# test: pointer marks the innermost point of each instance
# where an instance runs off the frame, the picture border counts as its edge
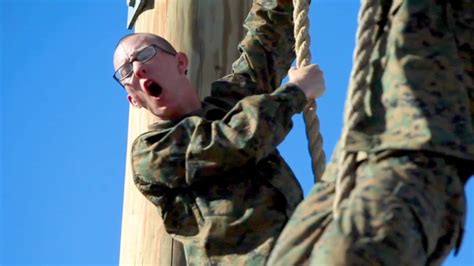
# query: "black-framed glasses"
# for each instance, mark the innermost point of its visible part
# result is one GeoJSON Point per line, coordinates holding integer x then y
{"type": "Point", "coordinates": [143, 56]}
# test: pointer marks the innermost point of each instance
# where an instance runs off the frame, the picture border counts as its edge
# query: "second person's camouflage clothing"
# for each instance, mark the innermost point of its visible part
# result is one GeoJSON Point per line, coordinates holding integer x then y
{"type": "Point", "coordinates": [414, 147]}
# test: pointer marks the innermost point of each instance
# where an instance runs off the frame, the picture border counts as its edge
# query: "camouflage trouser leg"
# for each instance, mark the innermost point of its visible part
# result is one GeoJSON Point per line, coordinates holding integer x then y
{"type": "Point", "coordinates": [307, 224]}
{"type": "Point", "coordinates": [406, 209]}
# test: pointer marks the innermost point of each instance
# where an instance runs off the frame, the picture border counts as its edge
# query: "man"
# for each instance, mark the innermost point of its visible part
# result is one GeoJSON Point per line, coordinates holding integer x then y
{"type": "Point", "coordinates": [414, 148]}
{"type": "Point", "coordinates": [212, 167]}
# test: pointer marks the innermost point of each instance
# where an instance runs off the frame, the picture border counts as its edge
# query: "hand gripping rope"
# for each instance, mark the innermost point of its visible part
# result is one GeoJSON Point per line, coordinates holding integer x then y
{"type": "Point", "coordinates": [303, 58]}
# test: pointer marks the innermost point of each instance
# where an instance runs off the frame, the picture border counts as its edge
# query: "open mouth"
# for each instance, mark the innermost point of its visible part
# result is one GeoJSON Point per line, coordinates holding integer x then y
{"type": "Point", "coordinates": [153, 88]}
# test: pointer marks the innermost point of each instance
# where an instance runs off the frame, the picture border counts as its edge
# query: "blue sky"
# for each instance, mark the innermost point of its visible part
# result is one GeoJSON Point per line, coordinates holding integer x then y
{"type": "Point", "coordinates": [63, 126]}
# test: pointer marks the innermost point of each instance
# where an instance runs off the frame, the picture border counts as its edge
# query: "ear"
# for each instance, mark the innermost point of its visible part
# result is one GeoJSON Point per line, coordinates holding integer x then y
{"type": "Point", "coordinates": [133, 102]}
{"type": "Point", "coordinates": [182, 63]}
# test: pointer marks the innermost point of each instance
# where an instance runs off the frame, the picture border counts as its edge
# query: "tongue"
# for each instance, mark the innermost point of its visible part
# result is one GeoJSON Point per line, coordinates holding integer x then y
{"type": "Point", "coordinates": [155, 89]}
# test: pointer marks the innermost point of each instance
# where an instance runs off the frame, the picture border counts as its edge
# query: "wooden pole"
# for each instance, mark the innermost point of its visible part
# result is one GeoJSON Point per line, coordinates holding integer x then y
{"type": "Point", "coordinates": [208, 31]}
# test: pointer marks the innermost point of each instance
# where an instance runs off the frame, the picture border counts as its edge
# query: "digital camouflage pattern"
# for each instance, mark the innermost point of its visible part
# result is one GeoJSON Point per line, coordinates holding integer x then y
{"type": "Point", "coordinates": [415, 149]}
{"type": "Point", "coordinates": [215, 176]}
{"type": "Point", "coordinates": [406, 209]}
{"type": "Point", "coordinates": [217, 182]}
{"type": "Point", "coordinates": [421, 92]}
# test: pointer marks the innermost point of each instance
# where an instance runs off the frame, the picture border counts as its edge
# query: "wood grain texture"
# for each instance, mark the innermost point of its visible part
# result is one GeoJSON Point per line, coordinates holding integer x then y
{"type": "Point", "coordinates": [208, 31]}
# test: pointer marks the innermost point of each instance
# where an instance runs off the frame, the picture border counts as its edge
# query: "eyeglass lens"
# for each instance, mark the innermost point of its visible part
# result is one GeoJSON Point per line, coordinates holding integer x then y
{"type": "Point", "coordinates": [143, 56]}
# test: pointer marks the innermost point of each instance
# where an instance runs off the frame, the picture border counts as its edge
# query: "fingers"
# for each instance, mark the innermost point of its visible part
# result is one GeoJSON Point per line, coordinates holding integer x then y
{"type": "Point", "coordinates": [292, 70]}
{"type": "Point", "coordinates": [309, 78]}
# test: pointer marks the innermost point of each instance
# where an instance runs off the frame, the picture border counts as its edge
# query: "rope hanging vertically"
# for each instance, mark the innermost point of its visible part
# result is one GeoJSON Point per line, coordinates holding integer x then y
{"type": "Point", "coordinates": [303, 58]}
{"type": "Point", "coordinates": [354, 111]}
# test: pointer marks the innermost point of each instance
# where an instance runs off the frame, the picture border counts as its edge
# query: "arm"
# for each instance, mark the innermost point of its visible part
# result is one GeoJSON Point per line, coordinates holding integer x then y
{"type": "Point", "coordinates": [266, 51]}
{"type": "Point", "coordinates": [169, 165]}
{"type": "Point", "coordinates": [197, 148]}
{"type": "Point", "coordinates": [166, 162]}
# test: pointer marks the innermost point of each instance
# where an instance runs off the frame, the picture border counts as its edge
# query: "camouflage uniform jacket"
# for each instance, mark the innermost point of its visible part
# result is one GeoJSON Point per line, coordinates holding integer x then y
{"type": "Point", "coordinates": [215, 175]}
{"type": "Point", "coordinates": [421, 92]}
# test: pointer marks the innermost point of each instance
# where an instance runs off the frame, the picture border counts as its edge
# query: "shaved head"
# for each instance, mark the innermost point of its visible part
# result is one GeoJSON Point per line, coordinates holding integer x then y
{"type": "Point", "coordinates": [154, 76]}
{"type": "Point", "coordinates": [161, 42]}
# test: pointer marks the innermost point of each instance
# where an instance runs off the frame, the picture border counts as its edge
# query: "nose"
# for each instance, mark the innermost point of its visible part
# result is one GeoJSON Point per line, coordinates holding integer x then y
{"type": "Point", "coordinates": [139, 69]}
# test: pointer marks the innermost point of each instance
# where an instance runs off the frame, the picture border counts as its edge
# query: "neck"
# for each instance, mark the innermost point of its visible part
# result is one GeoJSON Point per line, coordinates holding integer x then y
{"type": "Point", "coordinates": [192, 100]}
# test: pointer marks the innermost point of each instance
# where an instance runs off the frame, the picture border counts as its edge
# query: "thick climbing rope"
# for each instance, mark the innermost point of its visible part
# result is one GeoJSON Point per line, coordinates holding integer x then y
{"type": "Point", "coordinates": [354, 110]}
{"type": "Point", "coordinates": [303, 58]}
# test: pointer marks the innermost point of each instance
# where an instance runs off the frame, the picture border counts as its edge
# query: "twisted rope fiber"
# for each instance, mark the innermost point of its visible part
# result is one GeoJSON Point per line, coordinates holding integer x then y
{"type": "Point", "coordinates": [354, 110]}
{"type": "Point", "coordinates": [303, 58]}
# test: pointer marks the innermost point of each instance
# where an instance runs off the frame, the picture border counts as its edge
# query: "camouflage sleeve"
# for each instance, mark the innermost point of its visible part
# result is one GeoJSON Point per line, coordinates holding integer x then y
{"type": "Point", "coordinates": [197, 148]}
{"type": "Point", "coordinates": [266, 52]}
{"type": "Point", "coordinates": [420, 91]}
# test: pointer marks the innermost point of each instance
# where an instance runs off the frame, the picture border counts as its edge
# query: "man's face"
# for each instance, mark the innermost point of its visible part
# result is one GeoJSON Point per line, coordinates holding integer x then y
{"type": "Point", "coordinates": [156, 83]}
